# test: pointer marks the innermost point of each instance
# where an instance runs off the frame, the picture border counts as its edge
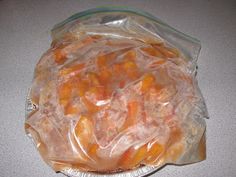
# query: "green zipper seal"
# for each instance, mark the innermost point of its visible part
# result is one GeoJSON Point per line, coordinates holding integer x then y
{"type": "Point", "coordinates": [105, 9]}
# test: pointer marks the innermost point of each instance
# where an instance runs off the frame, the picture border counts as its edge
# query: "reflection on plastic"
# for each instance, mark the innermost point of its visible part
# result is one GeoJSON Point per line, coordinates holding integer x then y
{"type": "Point", "coordinates": [117, 91]}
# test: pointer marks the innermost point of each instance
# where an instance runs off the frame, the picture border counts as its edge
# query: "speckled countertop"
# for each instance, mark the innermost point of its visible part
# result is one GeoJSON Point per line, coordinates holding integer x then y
{"type": "Point", "coordinates": [25, 34]}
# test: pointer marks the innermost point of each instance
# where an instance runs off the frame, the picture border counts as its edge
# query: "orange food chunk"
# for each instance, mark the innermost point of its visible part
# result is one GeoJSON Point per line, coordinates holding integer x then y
{"type": "Point", "coordinates": [139, 155]}
{"type": "Point", "coordinates": [147, 82]}
{"type": "Point", "coordinates": [64, 93]}
{"type": "Point", "coordinates": [93, 151]}
{"type": "Point", "coordinates": [176, 134]}
{"type": "Point", "coordinates": [82, 87]}
{"type": "Point", "coordinates": [117, 69]}
{"type": "Point", "coordinates": [132, 114]}
{"type": "Point", "coordinates": [105, 76]}
{"type": "Point", "coordinates": [131, 69]}
{"type": "Point", "coordinates": [130, 55]}
{"type": "Point", "coordinates": [132, 109]}
{"type": "Point", "coordinates": [59, 56]}
{"type": "Point", "coordinates": [99, 93]}
{"type": "Point", "coordinates": [84, 132]}
{"type": "Point", "coordinates": [101, 61]}
{"type": "Point", "coordinates": [129, 65]}
{"type": "Point", "coordinates": [154, 152]}
{"type": "Point", "coordinates": [127, 68]}
{"type": "Point", "coordinates": [104, 60]}
{"type": "Point", "coordinates": [71, 109]}
{"type": "Point", "coordinates": [132, 157]}
{"type": "Point", "coordinates": [93, 78]}
{"type": "Point", "coordinates": [126, 158]}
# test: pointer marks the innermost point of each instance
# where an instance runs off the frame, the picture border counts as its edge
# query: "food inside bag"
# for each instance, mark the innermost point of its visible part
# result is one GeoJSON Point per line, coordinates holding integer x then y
{"type": "Point", "coordinates": [117, 91]}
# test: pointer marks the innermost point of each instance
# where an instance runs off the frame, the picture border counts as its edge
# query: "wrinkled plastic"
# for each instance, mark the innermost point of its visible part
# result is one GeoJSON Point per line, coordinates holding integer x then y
{"type": "Point", "coordinates": [117, 93]}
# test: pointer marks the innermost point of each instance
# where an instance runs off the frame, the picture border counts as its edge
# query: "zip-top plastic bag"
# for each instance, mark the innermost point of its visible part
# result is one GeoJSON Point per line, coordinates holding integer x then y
{"type": "Point", "coordinates": [116, 94]}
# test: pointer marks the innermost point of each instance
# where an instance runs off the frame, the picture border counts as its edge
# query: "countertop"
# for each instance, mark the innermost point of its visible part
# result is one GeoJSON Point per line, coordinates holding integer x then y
{"type": "Point", "coordinates": [25, 34]}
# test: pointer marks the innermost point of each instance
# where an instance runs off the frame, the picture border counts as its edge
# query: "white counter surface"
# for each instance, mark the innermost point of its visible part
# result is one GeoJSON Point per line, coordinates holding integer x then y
{"type": "Point", "coordinates": [25, 34]}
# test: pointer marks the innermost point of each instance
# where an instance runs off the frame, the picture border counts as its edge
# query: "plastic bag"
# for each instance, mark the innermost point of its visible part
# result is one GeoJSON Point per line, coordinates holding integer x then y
{"type": "Point", "coordinates": [117, 93]}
